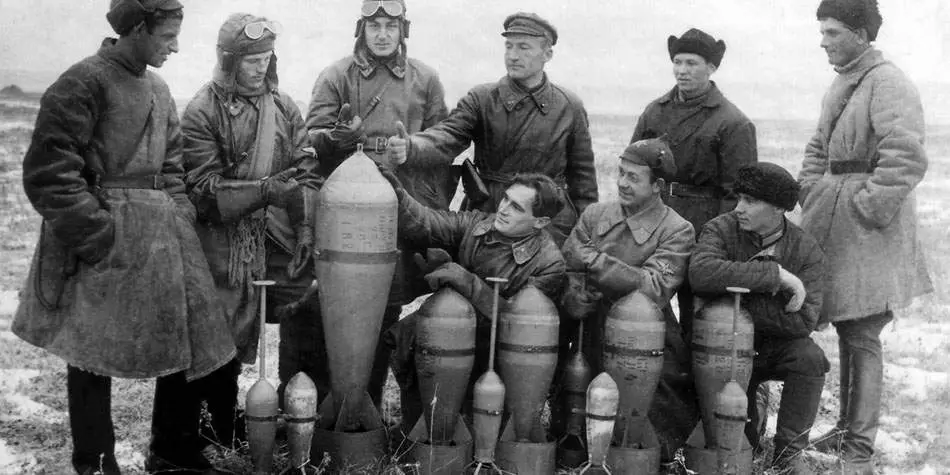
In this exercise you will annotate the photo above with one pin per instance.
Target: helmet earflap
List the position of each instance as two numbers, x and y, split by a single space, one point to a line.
227 60
359 27
405 27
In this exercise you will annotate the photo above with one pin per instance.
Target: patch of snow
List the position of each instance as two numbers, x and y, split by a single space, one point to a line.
915 382
13 462
897 447
10 379
923 338
28 408
9 299
129 458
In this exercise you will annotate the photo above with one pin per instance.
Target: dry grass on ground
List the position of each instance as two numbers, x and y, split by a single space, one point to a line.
915 432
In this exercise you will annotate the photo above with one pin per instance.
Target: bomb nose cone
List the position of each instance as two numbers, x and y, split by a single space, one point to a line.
603 399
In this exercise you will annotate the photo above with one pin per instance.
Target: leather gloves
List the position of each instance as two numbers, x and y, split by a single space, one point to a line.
348 130
435 258
279 189
469 285
578 301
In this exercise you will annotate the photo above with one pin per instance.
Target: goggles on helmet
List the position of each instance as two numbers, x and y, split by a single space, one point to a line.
389 7
255 30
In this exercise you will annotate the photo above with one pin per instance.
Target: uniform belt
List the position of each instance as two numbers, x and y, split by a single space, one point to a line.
376 145
146 182
842 167
508 178
691 191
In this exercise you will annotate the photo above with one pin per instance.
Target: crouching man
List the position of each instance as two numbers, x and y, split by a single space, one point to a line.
512 243
755 247
636 243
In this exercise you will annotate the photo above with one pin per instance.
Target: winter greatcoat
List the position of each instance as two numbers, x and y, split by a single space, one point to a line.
119 285
710 139
646 252
219 133
517 131
408 91
865 219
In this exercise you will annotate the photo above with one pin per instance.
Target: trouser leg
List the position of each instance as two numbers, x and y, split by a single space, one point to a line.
90 420
801 396
220 390
380 371
863 337
175 415
302 348
684 298
400 339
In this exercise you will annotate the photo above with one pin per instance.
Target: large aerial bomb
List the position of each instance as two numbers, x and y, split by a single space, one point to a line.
575 378
300 404
603 401
444 354
260 412
633 356
527 359
712 357
355 260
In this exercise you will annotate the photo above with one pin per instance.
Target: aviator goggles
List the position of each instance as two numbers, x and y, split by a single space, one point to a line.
255 30
389 7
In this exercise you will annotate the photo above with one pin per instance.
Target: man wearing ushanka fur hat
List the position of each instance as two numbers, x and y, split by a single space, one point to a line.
858 178
757 248
709 136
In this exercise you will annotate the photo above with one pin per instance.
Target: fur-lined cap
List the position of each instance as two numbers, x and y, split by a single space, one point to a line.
768 182
856 14
697 42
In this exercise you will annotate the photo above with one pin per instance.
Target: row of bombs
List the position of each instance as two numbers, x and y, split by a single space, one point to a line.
607 426
607 416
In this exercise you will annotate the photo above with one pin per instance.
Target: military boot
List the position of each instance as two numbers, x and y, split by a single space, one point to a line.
801 397
90 421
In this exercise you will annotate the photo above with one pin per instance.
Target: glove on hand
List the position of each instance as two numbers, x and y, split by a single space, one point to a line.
279 189
397 149
578 301
435 258
302 253
391 177
348 130
453 275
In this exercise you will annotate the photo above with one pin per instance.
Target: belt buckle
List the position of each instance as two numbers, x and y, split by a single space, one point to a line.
381 144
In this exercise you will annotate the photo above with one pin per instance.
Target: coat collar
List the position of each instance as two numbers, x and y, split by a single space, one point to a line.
642 225
522 250
713 96
855 69
109 52
368 65
512 94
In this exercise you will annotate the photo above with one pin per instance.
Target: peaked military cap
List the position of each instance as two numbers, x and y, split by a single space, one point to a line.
856 14
697 42
529 24
654 153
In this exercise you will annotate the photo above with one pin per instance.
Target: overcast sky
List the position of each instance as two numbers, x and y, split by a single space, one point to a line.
611 52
